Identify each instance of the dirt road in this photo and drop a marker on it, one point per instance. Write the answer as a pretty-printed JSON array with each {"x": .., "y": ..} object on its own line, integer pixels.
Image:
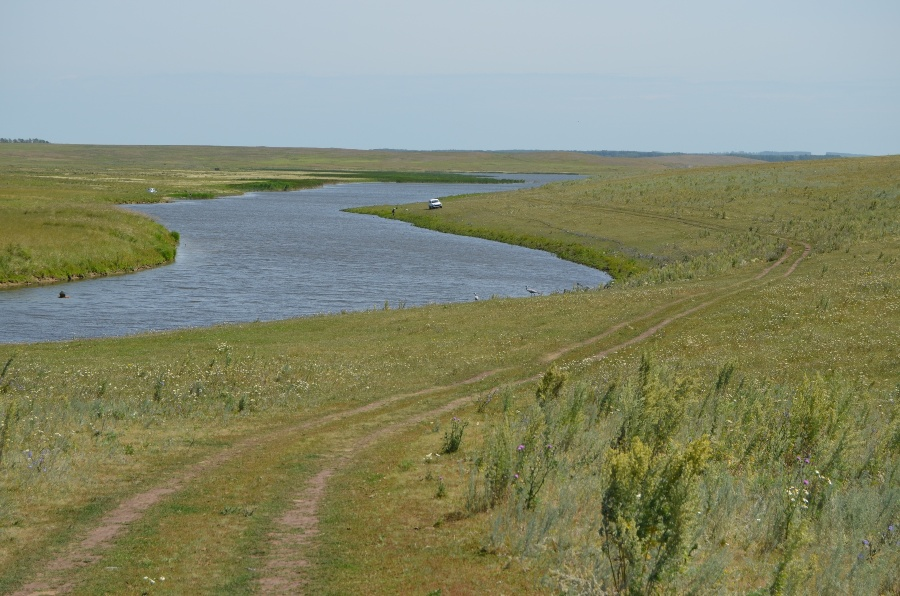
[{"x": 294, "y": 530}]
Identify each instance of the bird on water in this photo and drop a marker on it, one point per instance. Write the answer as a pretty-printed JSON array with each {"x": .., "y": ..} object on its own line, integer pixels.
[{"x": 531, "y": 291}]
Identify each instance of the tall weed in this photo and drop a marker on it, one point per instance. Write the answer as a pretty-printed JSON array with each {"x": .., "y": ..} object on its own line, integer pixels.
[{"x": 664, "y": 479}]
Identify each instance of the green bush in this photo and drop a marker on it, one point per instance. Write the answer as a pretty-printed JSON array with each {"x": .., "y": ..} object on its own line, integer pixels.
[
  {"x": 453, "y": 437},
  {"x": 664, "y": 478}
]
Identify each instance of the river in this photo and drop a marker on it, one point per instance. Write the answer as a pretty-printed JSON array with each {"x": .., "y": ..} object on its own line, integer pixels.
[{"x": 268, "y": 256}]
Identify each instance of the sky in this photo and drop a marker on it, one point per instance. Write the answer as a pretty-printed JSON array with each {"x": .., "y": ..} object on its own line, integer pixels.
[{"x": 643, "y": 75}]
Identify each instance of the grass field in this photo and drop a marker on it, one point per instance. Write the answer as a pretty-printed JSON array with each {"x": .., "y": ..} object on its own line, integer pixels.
[{"x": 723, "y": 420}]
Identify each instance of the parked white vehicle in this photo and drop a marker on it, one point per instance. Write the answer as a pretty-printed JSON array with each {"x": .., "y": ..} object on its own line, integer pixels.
[{"x": 434, "y": 204}]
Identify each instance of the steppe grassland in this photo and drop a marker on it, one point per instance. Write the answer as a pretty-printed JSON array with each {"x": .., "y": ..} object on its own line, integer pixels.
[
  {"x": 804, "y": 367},
  {"x": 136, "y": 407},
  {"x": 784, "y": 396},
  {"x": 89, "y": 422},
  {"x": 237, "y": 159},
  {"x": 774, "y": 374}
]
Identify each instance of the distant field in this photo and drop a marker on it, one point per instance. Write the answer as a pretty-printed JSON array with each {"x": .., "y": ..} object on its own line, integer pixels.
[
  {"x": 149, "y": 157},
  {"x": 724, "y": 419}
]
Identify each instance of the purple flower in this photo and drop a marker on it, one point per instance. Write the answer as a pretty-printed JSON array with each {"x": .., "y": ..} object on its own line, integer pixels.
[
  {"x": 549, "y": 446},
  {"x": 516, "y": 476},
  {"x": 520, "y": 448},
  {"x": 806, "y": 482},
  {"x": 806, "y": 460},
  {"x": 891, "y": 527},
  {"x": 865, "y": 543}
]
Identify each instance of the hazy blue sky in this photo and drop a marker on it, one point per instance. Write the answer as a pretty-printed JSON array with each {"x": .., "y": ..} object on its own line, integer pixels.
[{"x": 694, "y": 75}]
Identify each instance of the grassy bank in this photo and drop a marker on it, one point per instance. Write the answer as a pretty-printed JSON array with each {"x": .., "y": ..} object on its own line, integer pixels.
[
  {"x": 571, "y": 249},
  {"x": 680, "y": 223},
  {"x": 705, "y": 419}
]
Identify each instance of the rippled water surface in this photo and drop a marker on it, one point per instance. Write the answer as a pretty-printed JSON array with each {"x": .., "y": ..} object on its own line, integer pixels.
[{"x": 279, "y": 255}]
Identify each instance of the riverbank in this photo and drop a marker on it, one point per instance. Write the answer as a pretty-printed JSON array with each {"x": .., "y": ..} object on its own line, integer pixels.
[
  {"x": 450, "y": 220},
  {"x": 283, "y": 255},
  {"x": 63, "y": 239}
]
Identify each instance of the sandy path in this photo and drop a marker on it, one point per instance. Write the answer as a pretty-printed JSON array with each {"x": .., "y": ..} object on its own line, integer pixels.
[{"x": 298, "y": 526}]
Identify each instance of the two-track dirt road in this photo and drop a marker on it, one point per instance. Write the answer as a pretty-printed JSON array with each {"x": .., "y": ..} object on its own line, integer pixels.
[{"x": 294, "y": 530}]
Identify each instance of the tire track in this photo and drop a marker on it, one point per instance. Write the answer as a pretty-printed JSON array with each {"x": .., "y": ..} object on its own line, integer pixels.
[
  {"x": 299, "y": 524},
  {"x": 89, "y": 549}
]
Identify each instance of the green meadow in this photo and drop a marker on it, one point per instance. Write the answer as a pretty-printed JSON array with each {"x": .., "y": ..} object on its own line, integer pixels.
[{"x": 722, "y": 419}]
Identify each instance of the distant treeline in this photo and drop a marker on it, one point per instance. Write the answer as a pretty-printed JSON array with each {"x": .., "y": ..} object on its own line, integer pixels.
[{"x": 23, "y": 141}]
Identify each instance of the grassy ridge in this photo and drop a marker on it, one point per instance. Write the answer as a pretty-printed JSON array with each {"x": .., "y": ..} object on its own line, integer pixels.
[{"x": 785, "y": 367}]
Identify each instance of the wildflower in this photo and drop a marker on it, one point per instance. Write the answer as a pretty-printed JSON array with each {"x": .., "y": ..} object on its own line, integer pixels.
[
  {"x": 865, "y": 543},
  {"x": 806, "y": 460},
  {"x": 806, "y": 482},
  {"x": 891, "y": 527},
  {"x": 520, "y": 448},
  {"x": 516, "y": 476}
]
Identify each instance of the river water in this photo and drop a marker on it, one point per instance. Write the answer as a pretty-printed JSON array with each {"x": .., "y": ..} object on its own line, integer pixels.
[{"x": 268, "y": 256}]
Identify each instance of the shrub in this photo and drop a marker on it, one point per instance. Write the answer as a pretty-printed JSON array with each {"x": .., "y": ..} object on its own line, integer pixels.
[{"x": 453, "y": 437}]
